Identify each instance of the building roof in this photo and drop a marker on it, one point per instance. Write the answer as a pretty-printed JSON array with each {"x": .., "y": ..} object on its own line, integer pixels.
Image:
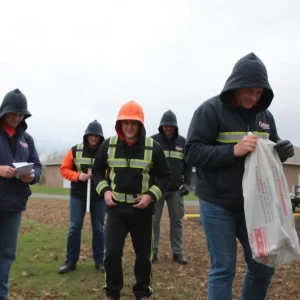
[
  {"x": 295, "y": 160},
  {"x": 51, "y": 164}
]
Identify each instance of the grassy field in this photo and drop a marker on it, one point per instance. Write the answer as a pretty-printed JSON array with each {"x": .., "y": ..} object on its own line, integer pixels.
[
  {"x": 34, "y": 275},
  {"x": 42, "y": 245},
  {"x": 49, "y": 190},
  {"x": 62, "y": 191}
]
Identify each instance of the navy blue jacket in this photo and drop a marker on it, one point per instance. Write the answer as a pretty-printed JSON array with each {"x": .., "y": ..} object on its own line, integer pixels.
[
  {"x": 14, "y": 193},
  {"x": 216, "y": 127}
]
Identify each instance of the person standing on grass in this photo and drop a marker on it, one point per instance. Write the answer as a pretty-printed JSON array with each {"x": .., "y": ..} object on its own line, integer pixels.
[
  {"x": 217, "y": 145},
  {"x": 76, "y": 167},
  {"x": 173, "y": 145},
  {"x": 16, "y": 145},
  {"x": 138, "y": 176}
]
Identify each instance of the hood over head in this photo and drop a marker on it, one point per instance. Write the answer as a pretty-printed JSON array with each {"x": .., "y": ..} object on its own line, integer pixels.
[
  {"x": 130, "y": 111},
  {"x": 93, "y": 128},
  {"x": 15, "y": 102},
  {"x": 249, "y": 72},
  {"x": 168, "y": 118}
]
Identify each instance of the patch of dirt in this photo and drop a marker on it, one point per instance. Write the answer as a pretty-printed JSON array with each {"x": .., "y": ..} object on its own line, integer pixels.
[{"x": 171, "y": 281}]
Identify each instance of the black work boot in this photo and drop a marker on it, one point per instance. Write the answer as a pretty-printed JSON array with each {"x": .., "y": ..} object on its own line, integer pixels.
[
  {"x": 99, "y": 266},
  {"x": 180, "y": 259},
  {"x": 67, "y": 267},
  {"x": 154, "y": 258}
]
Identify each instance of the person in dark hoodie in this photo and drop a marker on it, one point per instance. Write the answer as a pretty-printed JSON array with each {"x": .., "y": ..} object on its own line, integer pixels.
[
  {"x": 77, "y": 167},
  {"x": 133, "y": 160},
  {"x": 16, "y": 145},
  {"x": 217, "y": 145},
  {"x": 173, "y": 145}
]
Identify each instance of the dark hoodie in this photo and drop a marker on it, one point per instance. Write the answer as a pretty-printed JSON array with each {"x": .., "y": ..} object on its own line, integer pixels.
[
  {"x": 128, "y": 180},
  {"x": 181, "y": 172},
  {"x": 79, "y": 188},
  {"x": 218, "y": 173},
  {"x": 20, "y": 147}
]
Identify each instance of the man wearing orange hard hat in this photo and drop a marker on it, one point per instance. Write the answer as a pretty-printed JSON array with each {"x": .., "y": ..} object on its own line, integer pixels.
[{"x": 132, "y": 159}]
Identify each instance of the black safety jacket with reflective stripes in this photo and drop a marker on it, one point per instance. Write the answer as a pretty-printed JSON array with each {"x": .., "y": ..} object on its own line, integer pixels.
[
  {"x": 174, "y": 152},
  {"x": 83, "y": 157},
  {"x": 133, "y": 170},
  {"x": 214, "y": 130}
]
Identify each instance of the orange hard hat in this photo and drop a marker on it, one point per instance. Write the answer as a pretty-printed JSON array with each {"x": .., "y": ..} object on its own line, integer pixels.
[{"x": 131, "y": 111}]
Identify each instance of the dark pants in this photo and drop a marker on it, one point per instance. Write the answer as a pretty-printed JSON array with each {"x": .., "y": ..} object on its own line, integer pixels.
[
  {"x": 222, "y": 228},
  {"x": 9, "y": 229},
  {"x": 139, "y": 226},
  {"x": 175, "y": 204},
  {"x": 77, "y": 213}
]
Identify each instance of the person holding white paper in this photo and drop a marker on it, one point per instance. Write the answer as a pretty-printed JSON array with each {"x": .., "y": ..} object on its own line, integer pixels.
[
  {"x": 16, "y": 146},
  {"x": 76, "y": 167}
]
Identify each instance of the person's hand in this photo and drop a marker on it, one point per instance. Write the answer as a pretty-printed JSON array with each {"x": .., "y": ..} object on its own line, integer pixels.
[
  {"x": 108, "y": 198},
  {"x": 27, "y": 178},
  {"x": 284, "y": 149},
  {"x": 245, "y": 145},
  {"x": 83, "y": 177},
  {"x": 143, "y": 201},
  {"x": 89, "y": 172},
  {"x": 183, "y": 191},
  {"x": 7, "y": 171}
]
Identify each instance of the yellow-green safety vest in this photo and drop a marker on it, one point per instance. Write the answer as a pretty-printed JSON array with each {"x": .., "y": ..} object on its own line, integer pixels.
[
  {"x": 79, "y": 160},
  {"x": 145, "y": 164}
]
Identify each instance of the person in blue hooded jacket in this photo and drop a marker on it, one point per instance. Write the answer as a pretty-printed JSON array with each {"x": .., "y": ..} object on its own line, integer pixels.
[
  {"x": 15, "y": 146},
  {"x": 217, "y": 145}
]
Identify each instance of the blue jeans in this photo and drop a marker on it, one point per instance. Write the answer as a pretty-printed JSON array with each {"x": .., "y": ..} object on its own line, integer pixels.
[
  {"x": 77, "y": 213},
  {"x": 222, "y": 227},
  {"x": 9, "y": 230},
  {"x": 200, "y": 212}
]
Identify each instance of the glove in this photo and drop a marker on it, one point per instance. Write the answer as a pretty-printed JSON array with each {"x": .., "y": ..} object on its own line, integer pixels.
[
  {"x": 184, "y": 192},
  {"x": 284, "y": 149}
]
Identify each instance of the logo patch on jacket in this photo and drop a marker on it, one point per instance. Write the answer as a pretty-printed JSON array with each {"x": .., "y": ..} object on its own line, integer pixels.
[
  {"x": 178, "y": 148},
  {"x": 23, "y": 144},
  {"x": 264, "y": 125}
]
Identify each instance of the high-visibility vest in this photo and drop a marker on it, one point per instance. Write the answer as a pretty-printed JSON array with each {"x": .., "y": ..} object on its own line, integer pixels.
[
  {"x": 173, "y": 154},
  {"x": 144, "y": 164},
  {"x": 79, "y": 160}
]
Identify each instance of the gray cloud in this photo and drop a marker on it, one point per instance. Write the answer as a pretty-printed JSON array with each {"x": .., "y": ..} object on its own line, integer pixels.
[{"x": 78, "y": 62}]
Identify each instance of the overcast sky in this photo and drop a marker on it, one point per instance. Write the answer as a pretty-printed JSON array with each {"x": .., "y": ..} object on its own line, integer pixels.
[{"x": 77, "y": 61}]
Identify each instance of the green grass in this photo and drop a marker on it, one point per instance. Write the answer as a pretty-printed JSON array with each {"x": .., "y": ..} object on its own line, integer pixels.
[
  {"x": 41, "y": 250},
  {"x": 62, "y": 191},
  {"x": 50, "y": 190}
]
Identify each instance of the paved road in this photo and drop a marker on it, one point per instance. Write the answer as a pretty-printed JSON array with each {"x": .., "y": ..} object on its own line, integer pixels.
[{"x": 66, "y": 197}]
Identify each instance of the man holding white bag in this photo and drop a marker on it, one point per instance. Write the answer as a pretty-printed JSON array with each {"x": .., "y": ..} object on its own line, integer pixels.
[{"x": 217, "y": 145}]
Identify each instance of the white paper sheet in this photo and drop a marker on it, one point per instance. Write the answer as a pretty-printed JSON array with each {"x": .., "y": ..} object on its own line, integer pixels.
[{"x": 23, "y": 168}]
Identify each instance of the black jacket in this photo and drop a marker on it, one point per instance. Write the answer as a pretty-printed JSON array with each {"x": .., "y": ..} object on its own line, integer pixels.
[
  {"x": 128, "y": 180},
  {"x": 216, "y": 127},
  {"x": 174, "y": 152}
]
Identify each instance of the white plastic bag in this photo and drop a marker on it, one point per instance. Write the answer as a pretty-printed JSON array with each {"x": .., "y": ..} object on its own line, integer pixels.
[{"x": 268, "y": 209}]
